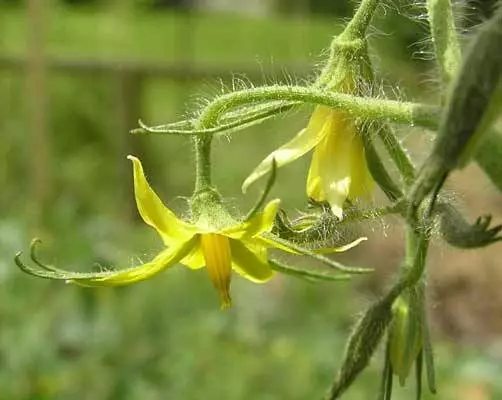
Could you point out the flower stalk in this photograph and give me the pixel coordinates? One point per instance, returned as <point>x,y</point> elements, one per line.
<point>202,145</point>
<point>474,103</point>
<point>448,56</point>
<point>371,108</point>
<point>444,38</point>
<point>358,25</point>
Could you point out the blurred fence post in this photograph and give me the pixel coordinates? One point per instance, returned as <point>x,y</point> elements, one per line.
<point>299,44</point>
<point>184,41</point>
<point>127,91</point>
<point>37,110</point>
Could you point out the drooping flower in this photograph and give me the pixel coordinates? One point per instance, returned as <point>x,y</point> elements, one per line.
<point>220,249</point>
<point>215,240</point>
<point>338,170</point>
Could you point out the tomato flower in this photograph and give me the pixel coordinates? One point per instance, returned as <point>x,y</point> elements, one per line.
<point>338,170</point>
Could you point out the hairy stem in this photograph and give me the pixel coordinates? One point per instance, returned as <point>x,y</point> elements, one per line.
<point>398,154</point>
<point>363,107</point>
<point>444,37</point>
<point>202,146</point>
<point>356,28</point>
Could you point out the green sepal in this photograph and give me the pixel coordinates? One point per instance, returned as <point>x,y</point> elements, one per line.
<point>310,273</point>
<point>385,391</point>
<point>377,168</point>
<point>458,232</point>
<point>363,342</point>
<point>268,186</point>
<point>489,156</point>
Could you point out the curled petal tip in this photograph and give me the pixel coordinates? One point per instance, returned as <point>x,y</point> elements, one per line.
<point>17,257</point>
<point>226,304</point>
<point>275,202</point>
<point>35,241</point>
<point>19,263</point>
<point>244,187</point>
<point>143,126</point>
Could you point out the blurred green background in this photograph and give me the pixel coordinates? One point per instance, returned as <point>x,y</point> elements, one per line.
<point>74,78</point>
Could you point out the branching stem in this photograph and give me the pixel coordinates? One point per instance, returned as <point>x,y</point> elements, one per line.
<point>362,107</point>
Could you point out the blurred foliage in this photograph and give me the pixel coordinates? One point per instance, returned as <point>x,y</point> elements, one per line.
<point>167,338</point>
<point>325,7</point>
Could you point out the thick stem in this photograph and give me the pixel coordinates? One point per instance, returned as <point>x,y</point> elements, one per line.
<point>356,28</point>
<point>444,37</point>
<point>362,107</point>
<point>398,154</point>
<point>473,106</point>
<point>448,55</point>
<point>202,146</point>
<point>417,246</point>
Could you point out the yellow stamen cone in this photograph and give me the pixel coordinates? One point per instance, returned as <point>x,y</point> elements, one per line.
<point>216,250</point>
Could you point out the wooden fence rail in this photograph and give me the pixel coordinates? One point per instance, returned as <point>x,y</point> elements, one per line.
<point>175,71</point>
<point>127,79</point>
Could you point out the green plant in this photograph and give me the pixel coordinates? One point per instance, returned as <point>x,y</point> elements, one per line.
<point>348,121</point>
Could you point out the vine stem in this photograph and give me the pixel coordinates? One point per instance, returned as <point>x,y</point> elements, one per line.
<point>356,28</point>
<point>398,154</point>
<point>444,38</point>
<point>362,107</point>
<point>202,144</point>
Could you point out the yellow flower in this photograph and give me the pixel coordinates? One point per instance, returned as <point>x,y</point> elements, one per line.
<point>338,170</point>
<point>214,240</point>
<point>221,249</point>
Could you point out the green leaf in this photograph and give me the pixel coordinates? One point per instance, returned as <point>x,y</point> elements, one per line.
<point>489,157</point>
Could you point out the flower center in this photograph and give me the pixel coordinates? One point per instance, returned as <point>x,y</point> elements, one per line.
<point>216,251</point>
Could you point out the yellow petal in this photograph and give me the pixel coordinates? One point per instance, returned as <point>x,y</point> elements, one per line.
<point>267,241</point>
<point>335,161</point>
<point>195,259</point>
<point>251,263</point>
<point>329,176</point>
<point>341,249</point>
<point>216,250</point>
<point>165,259</point>
<point>260,223</point>
<point>302,143</point>
<point>315,188</point>
<point>155,213</point>
<point>362,181</point>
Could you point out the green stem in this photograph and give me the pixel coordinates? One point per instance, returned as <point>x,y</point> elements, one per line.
<point>202,146</point>
<point>417,246</point>
<point>489,157</point>
<point>229,123</point>
<point>448,55</point>
<point>398,154</point>
<point>356,28</point>
<point>363,107</point>
<point>376,166</point>
<point>444,37</point>
<point>473,106</point>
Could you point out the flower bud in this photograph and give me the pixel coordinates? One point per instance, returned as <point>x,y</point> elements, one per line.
<point>405,336</point>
